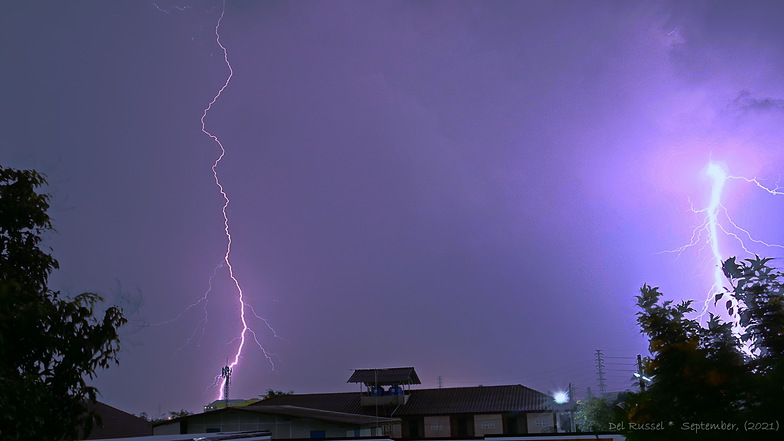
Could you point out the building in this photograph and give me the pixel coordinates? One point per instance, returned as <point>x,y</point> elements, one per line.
<point>386,405</point>
<point>115,423</point>
<point>224,436</point>
<point>283,422</point>
<point>220,404</point>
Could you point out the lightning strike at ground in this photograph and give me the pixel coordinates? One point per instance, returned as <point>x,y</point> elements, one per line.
<point>226,227</point>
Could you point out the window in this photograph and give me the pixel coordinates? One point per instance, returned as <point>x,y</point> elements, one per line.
<point>543,422</point>
<point>488,424</point>
<point>437,426</point>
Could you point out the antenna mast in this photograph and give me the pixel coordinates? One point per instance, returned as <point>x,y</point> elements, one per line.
<point>226,375</point>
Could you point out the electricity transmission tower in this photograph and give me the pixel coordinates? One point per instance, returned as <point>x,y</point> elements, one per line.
<point>600,372</point>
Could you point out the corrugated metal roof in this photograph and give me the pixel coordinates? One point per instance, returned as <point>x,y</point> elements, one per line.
<point>318,414</point>
<point>473,400</point>
<point>385,377</point>
<point>116,424</point>
<point>456,400</point>
<point>347,402</point>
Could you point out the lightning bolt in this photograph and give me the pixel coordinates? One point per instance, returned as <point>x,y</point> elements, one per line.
<point>246,329</point>
<point>202,301</point>
<point>718,176</point>
<point>717,223</point>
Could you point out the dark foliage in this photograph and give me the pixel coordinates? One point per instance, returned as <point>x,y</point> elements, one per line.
<point>49,345</point>
<point>705,384</point>
<point>275,393</point>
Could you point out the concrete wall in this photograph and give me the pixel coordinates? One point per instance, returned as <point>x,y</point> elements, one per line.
<point>396,431</point>
<point>541,423</point>
<point>281,427</point>
<point>491,424</point>
<point>437,427</point>
<point>172,428</point>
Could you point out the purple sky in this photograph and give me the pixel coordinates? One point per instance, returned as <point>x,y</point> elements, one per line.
<point>475,189</point>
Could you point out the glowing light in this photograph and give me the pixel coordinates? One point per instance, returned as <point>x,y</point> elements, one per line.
<point>648,379</point>
<point>229,239</point>
<point>561,397</point>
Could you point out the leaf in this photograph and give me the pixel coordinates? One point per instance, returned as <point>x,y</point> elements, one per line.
<point>731,269</point>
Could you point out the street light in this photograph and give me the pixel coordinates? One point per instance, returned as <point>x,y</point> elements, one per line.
<point>563,404</point>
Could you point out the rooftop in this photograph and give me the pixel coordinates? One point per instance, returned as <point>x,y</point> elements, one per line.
<point>318,414</point>
<point>115,423</point>
<point>456,400</point>
<point>385,377</point>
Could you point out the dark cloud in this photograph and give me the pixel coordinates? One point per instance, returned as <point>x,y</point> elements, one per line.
<point>746,101</point>
<point>477,189</point>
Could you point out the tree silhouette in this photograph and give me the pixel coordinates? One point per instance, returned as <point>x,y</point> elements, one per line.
<point>49,345</point>
<point>728,383</point>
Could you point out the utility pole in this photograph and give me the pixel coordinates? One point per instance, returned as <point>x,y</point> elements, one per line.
<point>572,404</point>
<point>639,373</point>
<point>600,372</point>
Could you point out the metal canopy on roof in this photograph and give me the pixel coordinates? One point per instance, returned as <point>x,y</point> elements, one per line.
<point>385,377</point>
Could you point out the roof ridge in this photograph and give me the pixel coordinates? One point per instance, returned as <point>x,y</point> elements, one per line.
<point>482,386</point>
<point>311,393</point>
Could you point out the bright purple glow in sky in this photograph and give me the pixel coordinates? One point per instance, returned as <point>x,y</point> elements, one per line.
<point>417,184</point>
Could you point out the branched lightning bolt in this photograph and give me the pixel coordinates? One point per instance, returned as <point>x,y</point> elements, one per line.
<point>227,255</point>
<point>717,220</point>
<point>203,324</point>
<point>179,8</point>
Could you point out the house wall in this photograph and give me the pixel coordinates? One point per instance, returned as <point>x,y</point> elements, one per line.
<point>488,424</point>
<point>215,421</point>
<point>395,431</point>
<point>541,422</point>
<point>172,428</point>
<point>437,427</point>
